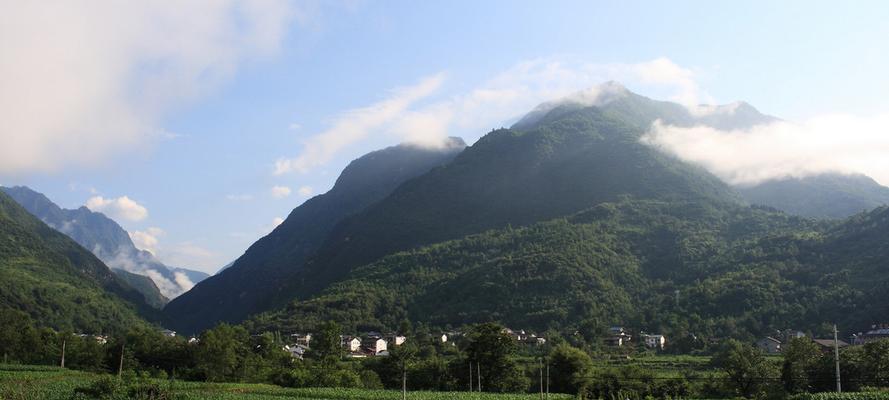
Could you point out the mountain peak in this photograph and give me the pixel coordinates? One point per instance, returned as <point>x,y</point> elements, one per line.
<point>598,95</point>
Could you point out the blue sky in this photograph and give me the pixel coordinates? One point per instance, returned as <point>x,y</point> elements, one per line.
<point>203,126</point>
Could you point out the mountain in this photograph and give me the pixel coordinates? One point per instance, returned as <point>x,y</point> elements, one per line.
<point>616,263</point>
<point>143,285</point>
<point>247,286</point>
<point>572,157</point>
<point>57,282</point>
<point>562,158</point>
<point>566,218</point>
<point>707,268</point>
<point>111,243</point>
<point>829,195</point>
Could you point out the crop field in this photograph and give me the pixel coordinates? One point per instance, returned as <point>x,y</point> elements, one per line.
<point>40,382</point>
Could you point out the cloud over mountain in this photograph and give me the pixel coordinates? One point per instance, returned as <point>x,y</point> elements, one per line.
<point>122,207</point>
<point>841,143</point>
<point>425,114</point>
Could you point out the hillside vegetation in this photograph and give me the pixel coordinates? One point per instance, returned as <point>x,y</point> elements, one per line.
<point>56,282</point>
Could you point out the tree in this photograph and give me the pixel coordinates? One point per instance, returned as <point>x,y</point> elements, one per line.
<point>492,350</point>
<point>876,359</point>
<point>326,346</point>
<point>745,366</point>
<point>569,368</point>
<point>221,351</point>
<point>801,357</point>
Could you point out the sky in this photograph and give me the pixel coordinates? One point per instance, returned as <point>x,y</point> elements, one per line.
<point>200,125</point>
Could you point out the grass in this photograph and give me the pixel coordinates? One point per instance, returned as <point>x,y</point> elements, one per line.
<point>52,383</point>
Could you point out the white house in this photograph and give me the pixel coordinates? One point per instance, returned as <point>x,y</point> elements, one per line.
<point>654,341</point>
<point>352,343</point>
<point>395,339</point>
<point>296,351</point>
<point>168,333</point>
<point>374,346</point>
<point>301,338</point>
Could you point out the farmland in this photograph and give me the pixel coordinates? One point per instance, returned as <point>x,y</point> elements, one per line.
<point>50,383</point>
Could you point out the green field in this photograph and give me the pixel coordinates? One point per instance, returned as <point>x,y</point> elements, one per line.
<point>50,383</point>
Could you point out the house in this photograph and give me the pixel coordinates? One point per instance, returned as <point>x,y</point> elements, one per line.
<point>374,335</point>
<point>301,338</point>
<point>443,338</point>
<point>193,340</point>
<point>769,345</point>
<point>827,345</point>
<point>168,333</point>
<point>654,341</point>
<point>876,332</point>
<point>396,339</point>
<point>531,339</point>
<point>352,344</point>
<point>296,350</point>
<point>373,346</point>
<point>616,330</point>
<point>617,337</point>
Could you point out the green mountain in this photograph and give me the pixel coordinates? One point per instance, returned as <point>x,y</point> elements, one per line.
<point>820,196</point>
<point>57,282</point>
<point>569,159</point>
<point>565,220</point>
<point>250,282</point>
<point>111,243</point>
<point>708,268</point>
<point>143,285</point>
<point>563,158</point>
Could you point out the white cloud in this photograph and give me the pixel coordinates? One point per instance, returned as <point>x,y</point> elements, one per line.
<point>830,143</point>
<point>294,126</point>
<point>354,125</point>
<point>491,104</point>
<point>280,192</point>
<point>148,239</point>
<point>183,281</point>
<point>239,197</point>
<point>277,221</point>
<point>120,208</point>
<point>305,191</point>
<point>86,80</point>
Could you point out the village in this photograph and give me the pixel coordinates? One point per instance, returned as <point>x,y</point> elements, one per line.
<point>377,344</point>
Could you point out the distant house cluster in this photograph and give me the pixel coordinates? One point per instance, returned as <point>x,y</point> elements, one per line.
<point>876,332</point>
<point>370,344</point>
<point>775,344</point>
<point>525,337</point>
<point>100,339</point>
<point>619,336</point>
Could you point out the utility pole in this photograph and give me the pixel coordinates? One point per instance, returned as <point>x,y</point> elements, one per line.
<point>540,368</point>
<point>547,381</point>
<point>120,366</point>
<point>478,373</point>
<point>836,350</point>
<point>470,376</point>
<point>63,353</point>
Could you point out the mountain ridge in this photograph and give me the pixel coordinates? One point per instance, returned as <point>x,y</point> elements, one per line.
<point>57,282</point>
<point>107,240</point>
<point>225,297</point>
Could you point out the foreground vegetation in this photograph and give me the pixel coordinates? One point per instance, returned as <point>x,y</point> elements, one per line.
<point>37,382</point>
<point>227,362</point>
